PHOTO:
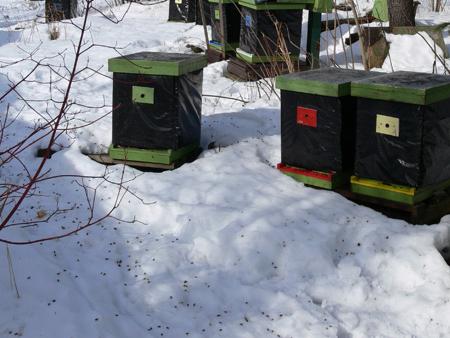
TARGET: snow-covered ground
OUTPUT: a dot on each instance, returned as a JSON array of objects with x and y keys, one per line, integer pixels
[
  {"x": 14, "y": 12},
  {"x": 225, "y": 246}
]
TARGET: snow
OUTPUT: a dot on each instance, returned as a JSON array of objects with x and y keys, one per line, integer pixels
[
  {"x": 225, "y": 246},
  {"x": 408, "y": 45},
  {"x": 14, "y": 12}
]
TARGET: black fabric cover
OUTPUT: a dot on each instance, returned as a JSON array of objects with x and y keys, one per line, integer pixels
[
  {"x": 259, "y": 34},
  {"x": 206, "y": 10},
  {"x": 329, "y": 146},
  {"x": 231, "y": 23},
  {"x": 185, "y": 11},
  {"x": 172, "y": 122},
  {"x": 419, "y": 157}
]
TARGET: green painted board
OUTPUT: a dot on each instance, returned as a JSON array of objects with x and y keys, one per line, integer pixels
[
  {"x": 223, "y": 1},
  {"x": 323, "y": 6},
  {"x": 406, "y": 87},
  {"x": 386, "y": 195},
  {"x": 338, "y": 180},
  {"x": 162, "y": 156},
  {"x": 311, "y": 181},
  {"x": 253, "y": 58},
  {"x": 155, "y": 63},
  {"x": 306, "y": 2},
  {"x": 229, "y": 47},
  {"x": 380, "y": 10},
  {"x": 318, "y": 6},
  {"x": 394, "y": 193},
  {"x": 143, "y": 94},
  {"x": 333, "y": 82},
  {"x": 271, "y": 5}
]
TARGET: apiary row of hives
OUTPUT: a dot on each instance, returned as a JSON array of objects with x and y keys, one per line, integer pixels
[
  {"x": 381, "y": 135},
  {"x": 388, "y": 135}
]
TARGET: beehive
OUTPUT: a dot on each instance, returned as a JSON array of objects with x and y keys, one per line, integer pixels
[
  {"x": 231, "y": 24},
  {"x": 267, "y": 26},
  {"x": 156, "y": 102},
  {"x": 318, "y": 119},
  {"x": 57, "y": 10},
  {"x": 403, "y": 128}
]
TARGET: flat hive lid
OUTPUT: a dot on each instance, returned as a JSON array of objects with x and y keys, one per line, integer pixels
[
  {"x": 274, "y": 6},
  {"x": 157, "y": 63},
  {"x": 407, "y": 87},
  {"x": 223, "y": 1},
  {"x": 334, "y": 82}
]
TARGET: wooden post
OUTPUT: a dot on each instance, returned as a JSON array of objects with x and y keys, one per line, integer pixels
[
  {"x": 362, "y": 38},
  {"x": 313, "y": 38},
  {"x": 222, "y": 29},
  {"x": 205, "y": 31}
]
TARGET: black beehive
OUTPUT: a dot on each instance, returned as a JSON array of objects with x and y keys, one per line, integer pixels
[
  {"x": 231, "y": 23},
  {"x": 157, "y": 100},
  {"x": 318, "y": 118},
  {"x": 403, "y": 128},
  {"x": 182, "y": 10},
  {"x": 56, "y": 10},
  {"x": 259, "y": 35},
  {"x": 206, "y": 11}
]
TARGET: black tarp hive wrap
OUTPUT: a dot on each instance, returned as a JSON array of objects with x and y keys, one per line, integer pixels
[
  {"x": 207, "y": 12},
  {"x": 259, "y": 35},
  {"x": 56, "y": 10},
  {"x": 157, "y": 100},
  {"x": 182, "y": 10},
  {"x": 403, "y": 128},
  {"x": 318, "y": 118},
  {"x": 231, "y": 21}
]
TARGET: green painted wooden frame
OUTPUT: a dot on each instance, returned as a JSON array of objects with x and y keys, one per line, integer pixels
[
  {"x": 162, "y": 156},
  {"x": 399, "y": 94},
  {"x": 272, "y": 5},
  {"x": 335, "y": 183},
  {"x": 151, "y": 67},
  {"x": 253, "y": 58},
  {"x": 229, "y": 47},
  {"x": 306, "y": 2},
  {"x": 396, "y": 193},
  {"x": 338, "y": 180},
  {"x": 313, "y": 87},
  {"x": 311, "y": 181},
  {"x": 223, "y": 1}
]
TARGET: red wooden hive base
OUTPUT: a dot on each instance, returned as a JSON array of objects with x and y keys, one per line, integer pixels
[{"x": 325, "y": 180}]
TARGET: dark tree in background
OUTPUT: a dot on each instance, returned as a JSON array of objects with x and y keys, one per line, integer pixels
[{"x": 401, "y": 13}]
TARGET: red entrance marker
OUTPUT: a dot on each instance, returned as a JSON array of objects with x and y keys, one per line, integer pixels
[{"x": 307, "y": 117}]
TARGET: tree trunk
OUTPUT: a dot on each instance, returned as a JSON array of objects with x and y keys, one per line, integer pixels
[{"x": 401, "y": 13}]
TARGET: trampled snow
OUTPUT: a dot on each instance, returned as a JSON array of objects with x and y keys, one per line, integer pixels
[{"x": 225, "y": 246}]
